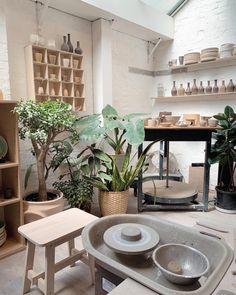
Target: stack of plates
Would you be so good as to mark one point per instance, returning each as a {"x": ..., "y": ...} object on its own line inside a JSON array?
[
  {"x": 3, "y": 235},
  {"x": 209, "y": 54},
  {"x": 226, "y": 50},
  {"x": 191, "y": 58}
]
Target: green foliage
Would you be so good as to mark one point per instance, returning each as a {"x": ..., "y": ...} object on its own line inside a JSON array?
[
  {"x": 78, "y": 192},
  {"x": 42, "y": 123},
  {"x": 105, "y": 174},
  {"x": 223, "y": 150},
  {"x": 115, "y": 129}
]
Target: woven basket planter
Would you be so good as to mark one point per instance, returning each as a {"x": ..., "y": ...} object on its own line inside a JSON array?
[{"x": 113, "y": 202}]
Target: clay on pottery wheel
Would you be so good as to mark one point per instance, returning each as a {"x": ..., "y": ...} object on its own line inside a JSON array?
[
  {"x": 131, "y": 238},
  {"x": 174, "y": 266}
]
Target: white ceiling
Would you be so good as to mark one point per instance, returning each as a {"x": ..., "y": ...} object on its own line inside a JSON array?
[{"x": 146, "y": 28}]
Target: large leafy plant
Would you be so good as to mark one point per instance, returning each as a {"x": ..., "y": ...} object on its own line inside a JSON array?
[
  {"x": 41, "y": 123},
  {"x": 223, "y": 150},
  {"x": 117, "y": 130}
]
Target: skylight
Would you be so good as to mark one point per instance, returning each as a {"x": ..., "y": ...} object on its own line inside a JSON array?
[{"x": 169, "y": 7}]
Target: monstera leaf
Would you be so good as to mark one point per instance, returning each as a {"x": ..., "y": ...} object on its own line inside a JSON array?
[{"x": 3, "y": 147}]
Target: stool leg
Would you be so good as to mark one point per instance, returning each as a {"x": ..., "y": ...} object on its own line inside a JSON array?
[
  {"x": 50, "y": 269},
  {"x": 71, "y": 244},
  {"x": 92, "y": 267},
  {"x": 28, "y": 266}
]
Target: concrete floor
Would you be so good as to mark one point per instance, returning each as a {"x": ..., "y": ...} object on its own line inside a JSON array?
[{"x": 76, "y": 280}]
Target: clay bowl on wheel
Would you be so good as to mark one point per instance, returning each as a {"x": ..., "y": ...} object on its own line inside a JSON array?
[{"x": 180, "y": 264}]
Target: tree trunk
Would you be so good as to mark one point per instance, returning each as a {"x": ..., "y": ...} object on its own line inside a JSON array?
[{"x": 42, "y": 190}]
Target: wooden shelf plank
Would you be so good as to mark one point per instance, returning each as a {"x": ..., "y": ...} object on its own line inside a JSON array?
[
  {"x": 197, "y": 97},
  {"x": 4, "y": 202},
  {"x": 8, "y": 164},
  {"x": 10, "y": 247},
  {"x": 219, "y": 62}
]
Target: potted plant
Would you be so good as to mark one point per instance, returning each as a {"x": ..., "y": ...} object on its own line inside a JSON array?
[
  {"x": 77, "y": 190},
  {"x": 103, "y": 170},
  {"x": 42, "y": 123},
  {"x": 116, "y": 130},
  {"x": 223, "y": 151}
]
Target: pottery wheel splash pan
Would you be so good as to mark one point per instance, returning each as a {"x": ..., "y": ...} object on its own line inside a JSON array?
[
  {"x": 219, "y": 254},
  {"x": 131, "y": 238}
]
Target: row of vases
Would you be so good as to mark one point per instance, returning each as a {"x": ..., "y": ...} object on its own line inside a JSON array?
[
  {"x": 194, "y": 89},
  {"x": 67, "y": 45}
]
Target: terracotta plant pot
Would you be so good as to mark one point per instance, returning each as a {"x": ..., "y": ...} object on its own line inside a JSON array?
[
  {"x": 113, "y": 202},
  {"x": 36, "y": 210}
]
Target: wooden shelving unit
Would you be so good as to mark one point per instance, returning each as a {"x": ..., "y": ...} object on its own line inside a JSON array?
[
  {"x": 218, "y": 63},
  {"x": 60, "y": 74},
  {"x": 197, "y": 97},
  {"x": 10, "y": 209}
]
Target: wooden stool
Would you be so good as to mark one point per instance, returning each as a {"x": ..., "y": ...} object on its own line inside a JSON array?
[{"x": 50, "y": 232}]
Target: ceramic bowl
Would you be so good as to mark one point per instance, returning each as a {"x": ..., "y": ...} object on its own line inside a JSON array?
[
  {"x": 180, "y": 264},
  {"x": 191, "y": 58},
  {"x": 227, "y": 46},
  {"x": 172, "y": 119}
]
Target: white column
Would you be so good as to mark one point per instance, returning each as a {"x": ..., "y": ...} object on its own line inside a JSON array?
[{"x": 102, "y": 63}]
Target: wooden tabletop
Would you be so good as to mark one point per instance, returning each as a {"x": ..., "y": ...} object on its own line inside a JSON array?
[
  {"x": 52, "y": 228},
  {"x": 183, "y": 128}
]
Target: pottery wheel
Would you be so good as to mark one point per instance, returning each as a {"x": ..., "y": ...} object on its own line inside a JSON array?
[
  {"x": 176, "y": 192},
  {"x": 131, "y": 238}
]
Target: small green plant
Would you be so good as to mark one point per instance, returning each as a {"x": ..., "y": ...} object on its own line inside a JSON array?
[
  {"x": 42, "y": 123},
  {"x": 223, "y": 151}
]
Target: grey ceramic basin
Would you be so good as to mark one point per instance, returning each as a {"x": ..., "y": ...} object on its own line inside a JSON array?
[{"x": 144, "y": 270}]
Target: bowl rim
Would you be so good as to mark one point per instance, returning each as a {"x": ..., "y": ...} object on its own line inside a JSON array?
[{"x": 179, "y": 275}]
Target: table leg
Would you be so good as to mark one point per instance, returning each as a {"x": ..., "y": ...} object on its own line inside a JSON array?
[
  {"x": 206, "y": 175},
  {"x": 92, "y": 267},
  {"x": 71, "y": 245},
  {"x": 140, "y": 183},
  {"x": 28, "y": 266},
  {"x": 50, "y": 269}
]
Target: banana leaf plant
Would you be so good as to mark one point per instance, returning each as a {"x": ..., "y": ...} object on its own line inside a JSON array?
[
  {"x": 223, "y": 151},
  {"x": 117, "y": 130},
  {"x": 101, "y": 170}
]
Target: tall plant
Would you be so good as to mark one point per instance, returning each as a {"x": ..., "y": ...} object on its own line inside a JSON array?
[
  {"x": 117, "y": 130},
  {"x": 41, "y": 123},
  {"x": 223, "y": 150}
]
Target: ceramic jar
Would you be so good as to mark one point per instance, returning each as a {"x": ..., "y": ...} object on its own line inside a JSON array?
[
  {"x": 174, "y": 90},
  {"x": 201, "y": 89},
  {"x": 69, "y": 43},
  {"x": 230, "y": 86},
  {"x": 78, "y": 50},
  {"x": 212, "y": 122},
  {"x": 188, "y": 90},
  {"x": 64, "y": 45},
  {"x": 215, "y": 87},
  {"x": 52, "y": 93},
  {"x": 160, "y": 90},
  {"x": 65, "y": 92},
  {"x": 181, "y": 90},
  {"x": 40, "y": 90},
  {"x": 208, "y": 88},
  {"x": 222, "y": 88},
  {"x": 194, "y": 88}
]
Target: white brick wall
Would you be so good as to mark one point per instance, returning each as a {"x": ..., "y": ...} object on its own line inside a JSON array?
[{"x": 199, "y": 24}]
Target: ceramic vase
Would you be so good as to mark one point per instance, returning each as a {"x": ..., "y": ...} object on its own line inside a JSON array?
[
  {"x": 194, "y": 88},
  {"x": 188, "y": 90},
  {"x": 174, "y": 90},
  {"x": 65, "y": 92},
  {"x": 222, "y": 87},
  {"x": 230, "y": 86},
  {"x": 40, "y": 90},
  {"x": 181, "y": 90},
  {"x": 201, "y": 89},
  {"x": 160, "y": 90},
  {"x": 208, "y": 88},
  {"x": 78, "y": 50},
  {"x": 215, "y": 87},
  {"x": 64, "y": 45},
  {"x": 69, "y": 43}
]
